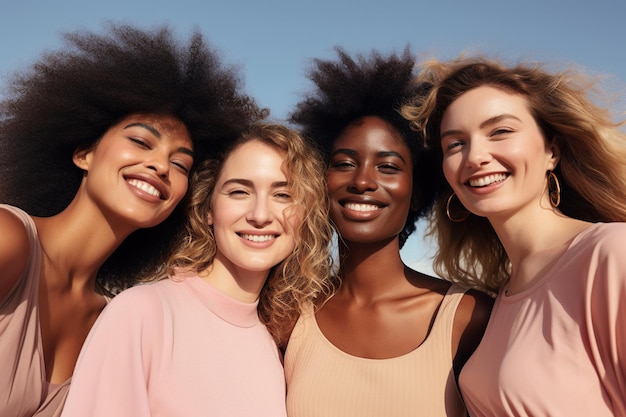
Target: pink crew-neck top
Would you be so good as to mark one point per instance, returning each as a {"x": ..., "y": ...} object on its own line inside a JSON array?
[
  {"x": 559, "y": 347},
  {"x": 178, "y": 347}
]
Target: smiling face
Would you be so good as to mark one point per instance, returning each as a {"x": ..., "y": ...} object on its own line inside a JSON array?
[
  {"x": 370, "y": 182},
  {"x": 495, "y": 157},
  {"x": 252, "y": 213},
  {"x": 138, "y": 171}
]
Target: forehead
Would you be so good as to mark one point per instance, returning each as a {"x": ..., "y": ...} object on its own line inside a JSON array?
[
  {"x": 372, "y": 133},
  {"x": 165, "y": 125},
  {"x": 486, "y": 101},
  {"x": 254, "y": 160}
]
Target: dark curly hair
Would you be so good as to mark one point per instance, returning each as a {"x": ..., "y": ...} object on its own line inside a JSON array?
[
  {"x": 349, "y": 89},
  {"x": 70, "y": 97}
]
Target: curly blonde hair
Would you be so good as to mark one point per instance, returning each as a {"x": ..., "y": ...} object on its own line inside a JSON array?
[
  {"x": 592, "y": 169},
  {"x": 304, "y": 275}
]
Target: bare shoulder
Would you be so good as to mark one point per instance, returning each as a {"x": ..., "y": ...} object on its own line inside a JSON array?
[
  {"x": 470, "y": 322},
  {"x": 474, "y": 307},
  {"x": 14, "y": 251}
]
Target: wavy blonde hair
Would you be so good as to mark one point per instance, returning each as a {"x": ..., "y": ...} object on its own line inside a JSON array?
[
  {"x": 592, "y": 169},
  {"x": 304, "y": 275}
]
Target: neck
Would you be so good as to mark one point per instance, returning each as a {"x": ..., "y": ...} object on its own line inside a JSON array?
[
  {"x": 239, "y": 284},
  {"x": 76, "y": 243},
  {"x": 371, "y": 268},
  {"x": 534, "y": 242}
]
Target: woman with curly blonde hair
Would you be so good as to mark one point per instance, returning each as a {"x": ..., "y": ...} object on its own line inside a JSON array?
[
  {"x": 298, "y": 279},
  {"x": 203, "y": 341},
  {"x": 535, "y": 212}
]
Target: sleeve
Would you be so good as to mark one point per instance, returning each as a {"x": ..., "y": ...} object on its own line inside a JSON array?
[
  {"x": 607, "y": 300},
  {"x": 113, "y": 369}
]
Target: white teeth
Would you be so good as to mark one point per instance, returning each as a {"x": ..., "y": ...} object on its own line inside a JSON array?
[
  {"x": 361, "y": 207},
  {"x": 258, "y": 238},
  {"x": 144, "y": 186},
  {"x": 489, "y": 179}
]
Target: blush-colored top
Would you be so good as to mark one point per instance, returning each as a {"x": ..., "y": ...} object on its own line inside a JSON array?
[
  {"x": 178, "y": 347},
  {"x": 559, "y": 347},
  {"x": 324, "y": 381},
  {"x": 24, "y": 390}
]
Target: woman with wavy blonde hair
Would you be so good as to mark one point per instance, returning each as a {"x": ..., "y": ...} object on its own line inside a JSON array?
[
  {"x": 202, "y": 340},
  {"x": 535, "y": 212}
]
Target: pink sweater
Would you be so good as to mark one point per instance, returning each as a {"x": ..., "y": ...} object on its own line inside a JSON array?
[
  {"x": 558, "y": 348},
  {"x": 178, "y": 348}
]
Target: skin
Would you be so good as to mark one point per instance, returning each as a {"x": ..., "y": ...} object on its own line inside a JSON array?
[
  {"x": 370, "y": 187},
  {"x": 253, "y": 220},
  {"x": 496, "y": 159},
  {"x": 110, "y": 204}
]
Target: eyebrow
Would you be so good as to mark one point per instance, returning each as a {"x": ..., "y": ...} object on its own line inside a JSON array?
[
  {"x": 487, "y": 122},
  {"x": 381, "y": 154},
  {"x": 250, "y": 183},
  {"x": 158, "y": 135}
]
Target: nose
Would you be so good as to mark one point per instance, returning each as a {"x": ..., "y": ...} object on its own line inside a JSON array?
[
  {"x": 260, "y": 213},
  {"x": 477, "y": 154},
  {"x": 160, "y": 163},
  {"x": 362, "y": 180}
]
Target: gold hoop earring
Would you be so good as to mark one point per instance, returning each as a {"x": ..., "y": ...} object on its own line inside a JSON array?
[
  {"x": 458, "y": 219},
  {"x": 554, "y": 189}
]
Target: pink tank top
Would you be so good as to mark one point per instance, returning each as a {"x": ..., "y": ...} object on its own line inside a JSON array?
[{"x": 24, "y": 391}]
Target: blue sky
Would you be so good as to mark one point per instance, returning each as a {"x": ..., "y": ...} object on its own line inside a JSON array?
[{"x": 273, "y": 41}]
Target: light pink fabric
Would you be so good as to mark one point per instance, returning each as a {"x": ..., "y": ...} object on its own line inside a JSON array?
[
  {"x": 558, "y": 348},
  {"x": 24, "y": 391},
  {"x": 178, "y": 348},
  {"x": 324, "y": 381}
]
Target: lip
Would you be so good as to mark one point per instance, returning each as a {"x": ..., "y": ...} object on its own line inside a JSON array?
[
  {"x": 361, "y": 209},
  {"x": 155, "y": 182},
  {"x": 487, "y": 180},
  {"x": 258, "y": 239}
]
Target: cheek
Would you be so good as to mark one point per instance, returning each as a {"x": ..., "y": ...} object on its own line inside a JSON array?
[
  {"x": 450, "y": 167},
  {"x": 333, "y": 181},
  {"x": 292, "y": 219},
  {"x": 180, "y": 189}
]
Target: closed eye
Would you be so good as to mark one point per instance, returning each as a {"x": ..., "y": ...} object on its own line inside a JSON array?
[
  {"x": 183, "y": 167},
  {"x": 501, "y": 131},
  {"x": 283, "y": 196},
  {"x": 140, "y": 142},
  {"x": 388, "y": 168},
  {"x": 340, "y": 165},
  {"x": 238, "y": 193}
]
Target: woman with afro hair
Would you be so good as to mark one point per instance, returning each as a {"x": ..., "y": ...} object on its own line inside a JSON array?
[
  {"x": 98, "y": 141},
  {"x": 390, "y": 340}
]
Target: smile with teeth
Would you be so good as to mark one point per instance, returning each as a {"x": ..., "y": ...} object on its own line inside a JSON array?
[
  {"x": 361, "y": 207},
  {"x": 144, "y": 186},
  {"x": 258, "y": 238},
  {"x": 487, "y": 180}
]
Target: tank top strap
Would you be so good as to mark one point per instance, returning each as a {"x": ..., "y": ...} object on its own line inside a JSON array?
[
  {"x": 28, "y": 221},
  {"x": 444, "y": 321},
  {"x": 28, "y": 283}
]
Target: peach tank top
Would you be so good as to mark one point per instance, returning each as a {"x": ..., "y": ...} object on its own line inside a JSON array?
[{"x": 325, "y": 381}]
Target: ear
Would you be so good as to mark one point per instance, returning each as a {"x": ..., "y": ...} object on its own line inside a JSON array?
[
  {"x": 209, "y": 218},
  {"x": 555, "y": 148},
  {"x": 82, "y": 158}
]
